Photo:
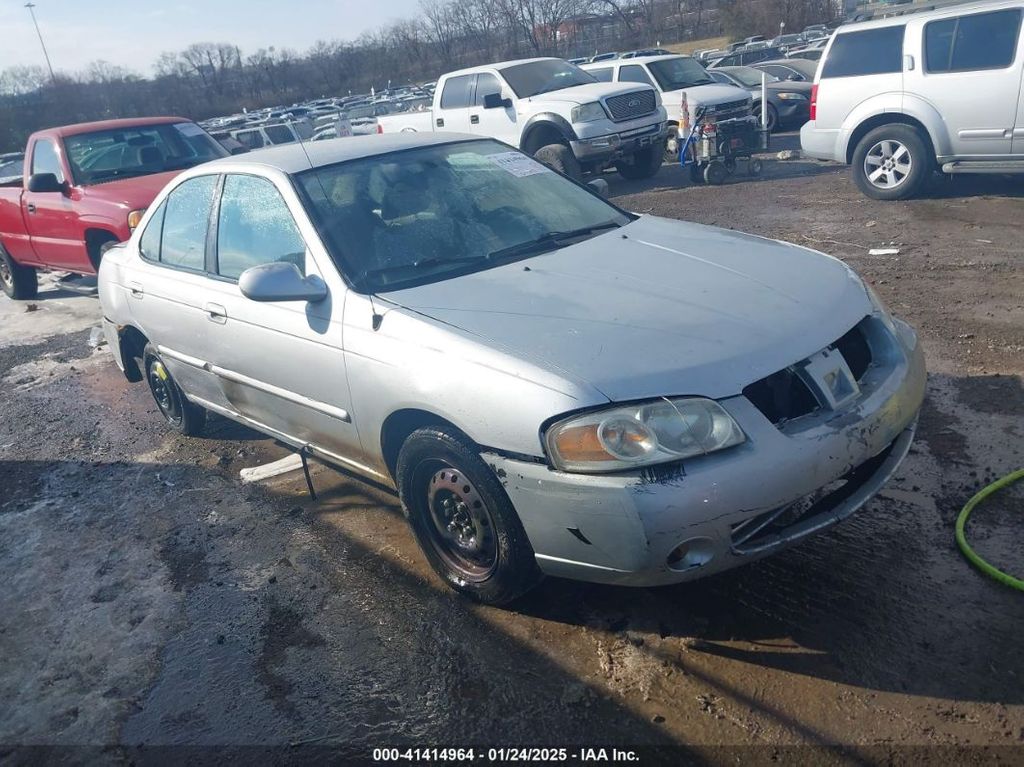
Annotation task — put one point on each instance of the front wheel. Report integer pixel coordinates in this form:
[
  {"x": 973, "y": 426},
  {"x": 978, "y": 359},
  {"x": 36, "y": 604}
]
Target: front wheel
[
  {"x": 772, "y": 119},
  {"x": 462, "y": 517},
  {"x": 183, "y": 416},
  {"x": 18, "y": 282},
  {"x": 645, "y": 163},
  {"x": 560, "y": 157},
  {"x": 891, "y": 163}
]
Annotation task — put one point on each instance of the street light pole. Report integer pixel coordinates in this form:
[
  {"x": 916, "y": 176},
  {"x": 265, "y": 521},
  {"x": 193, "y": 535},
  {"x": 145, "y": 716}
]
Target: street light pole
[{"x": 31, "y": 6}]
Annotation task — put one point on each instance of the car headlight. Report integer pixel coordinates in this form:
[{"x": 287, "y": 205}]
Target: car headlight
[
  {"x": 134, "y": 218},
  {"x": 631, "y": 436},
  {"x": 587, "y": 113},
  {"x": 792, "y": 96}
]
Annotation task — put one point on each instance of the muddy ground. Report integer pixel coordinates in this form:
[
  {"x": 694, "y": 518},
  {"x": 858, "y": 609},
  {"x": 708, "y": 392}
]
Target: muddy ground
[{"x": 149, "y": 598}]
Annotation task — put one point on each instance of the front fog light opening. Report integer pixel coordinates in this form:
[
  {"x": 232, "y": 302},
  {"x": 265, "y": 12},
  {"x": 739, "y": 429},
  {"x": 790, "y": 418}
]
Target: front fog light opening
[{"x": 694, "y": 552}]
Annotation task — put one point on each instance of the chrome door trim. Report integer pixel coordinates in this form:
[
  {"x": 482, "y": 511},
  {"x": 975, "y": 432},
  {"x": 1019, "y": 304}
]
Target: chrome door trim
[{"x": 277, "y": 391}]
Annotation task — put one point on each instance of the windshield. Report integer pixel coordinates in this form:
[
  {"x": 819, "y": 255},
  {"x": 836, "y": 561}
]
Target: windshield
[
  {"x": 751, "y": 77},
  {"x": 544, "y": 76},
  {"x": 677, "y": 73},
  {"x": 424, "y": 215},
  {"x": 139, "y": 151}
]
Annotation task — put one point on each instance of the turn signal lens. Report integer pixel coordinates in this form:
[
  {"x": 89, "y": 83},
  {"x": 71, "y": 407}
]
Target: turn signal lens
[{"x": 135, "y": 218}]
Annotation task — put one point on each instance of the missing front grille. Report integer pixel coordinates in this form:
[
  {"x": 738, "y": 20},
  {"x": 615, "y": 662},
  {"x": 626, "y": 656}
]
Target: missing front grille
[
  {"x": 855, "y": 350},
  {"x": 781, "y": 396}
]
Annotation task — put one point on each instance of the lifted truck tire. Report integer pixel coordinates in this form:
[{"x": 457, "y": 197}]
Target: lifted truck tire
[
  {"x": 646, "y": 163},
  {"x": 560, "y": 157},
  {"x": 18, "y": 282}
]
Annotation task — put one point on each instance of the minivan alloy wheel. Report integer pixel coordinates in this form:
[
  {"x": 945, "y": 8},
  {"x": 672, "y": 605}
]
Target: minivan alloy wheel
[{"x": 887, "y": 164}]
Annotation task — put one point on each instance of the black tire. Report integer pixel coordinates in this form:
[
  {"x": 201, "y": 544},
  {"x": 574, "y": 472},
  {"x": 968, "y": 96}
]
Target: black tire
[
  {"x": 672, "y": 137},
  {"x": 773, "y": 118},
  {"x": 716, "y": 173},
  {"x": 646, "y": 163},
  {"x": 754, "y": 167},
  {"x": 463, "y": 519},
  {"x": 97, "y": 246},
  {"x": 696, "y": 173},
  {"x": 184, "y": 416},
  {"x": 18, "y": 282},
  {"x": 900, "y": 180},
  {"x": 560, "y": 157}
]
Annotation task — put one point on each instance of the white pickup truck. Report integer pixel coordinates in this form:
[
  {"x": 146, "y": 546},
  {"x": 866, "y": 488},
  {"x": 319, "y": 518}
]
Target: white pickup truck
[{"x": 552, "y": 110}]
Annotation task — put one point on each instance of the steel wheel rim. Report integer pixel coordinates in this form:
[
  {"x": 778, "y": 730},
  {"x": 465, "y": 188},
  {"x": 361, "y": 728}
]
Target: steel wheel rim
[
  {"x": 459, "y": 524},
  {"x": 166, "y": 398},
  {"x": 6, "y": 276},
  {"x": 888, "y": 164}
]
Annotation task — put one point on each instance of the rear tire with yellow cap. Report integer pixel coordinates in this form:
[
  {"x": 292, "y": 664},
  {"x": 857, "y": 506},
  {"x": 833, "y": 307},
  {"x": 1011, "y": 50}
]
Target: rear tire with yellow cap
[{"x": 184, "y": 416}]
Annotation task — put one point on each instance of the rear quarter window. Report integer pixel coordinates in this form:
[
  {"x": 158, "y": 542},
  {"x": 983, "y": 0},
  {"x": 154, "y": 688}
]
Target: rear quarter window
[
  {"x": 970, "y": 43},
  {"x": 869, "y": 52}
]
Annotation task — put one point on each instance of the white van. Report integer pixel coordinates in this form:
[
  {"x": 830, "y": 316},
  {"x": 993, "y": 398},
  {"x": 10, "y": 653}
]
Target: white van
[{"x": 898, "y": 98}]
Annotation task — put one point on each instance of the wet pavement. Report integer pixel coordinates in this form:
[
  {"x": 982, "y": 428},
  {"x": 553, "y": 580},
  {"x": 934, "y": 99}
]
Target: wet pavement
[{"x": 153, "y": 599}]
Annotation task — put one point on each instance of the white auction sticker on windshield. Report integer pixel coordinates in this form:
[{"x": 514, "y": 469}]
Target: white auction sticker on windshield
[{"x": 518, "y": 164}]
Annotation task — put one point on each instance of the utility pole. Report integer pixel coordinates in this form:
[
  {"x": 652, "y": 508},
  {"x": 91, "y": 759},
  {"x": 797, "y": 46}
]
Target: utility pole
[{"x": 31, "y": 6}]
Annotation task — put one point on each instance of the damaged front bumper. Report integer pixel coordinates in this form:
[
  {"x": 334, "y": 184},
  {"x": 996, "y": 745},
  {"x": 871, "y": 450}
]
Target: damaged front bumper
[{"x": 684, "y": 521}]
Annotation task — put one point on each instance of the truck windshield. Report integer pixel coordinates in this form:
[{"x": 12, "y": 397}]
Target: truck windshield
[
  {"x": 544, "y": 76},
  {"x": 680, "y": 72},
  {"x": 424, "y": 215},
  {"x": 138, "y": 151}
]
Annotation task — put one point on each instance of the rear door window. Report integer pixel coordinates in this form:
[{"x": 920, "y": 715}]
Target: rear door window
[
  {"x": 870, "y": 52},
  {"x": 603, "y": 75},
  {"x": 186, "y": 220},
  {"x": 967, "y": 43},
  {"x": 458, "y": 92}
]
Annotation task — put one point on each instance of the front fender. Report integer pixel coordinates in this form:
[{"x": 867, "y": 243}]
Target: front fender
[{"x": 548, "y": 119}]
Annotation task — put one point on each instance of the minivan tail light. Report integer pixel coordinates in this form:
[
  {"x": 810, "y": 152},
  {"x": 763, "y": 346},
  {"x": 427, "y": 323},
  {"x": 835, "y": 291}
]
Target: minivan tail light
[{"x": 814, "y": 102}]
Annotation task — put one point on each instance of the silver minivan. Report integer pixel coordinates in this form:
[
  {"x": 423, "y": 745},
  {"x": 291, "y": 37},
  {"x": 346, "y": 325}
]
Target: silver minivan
[{"x": 898, "y": 98}]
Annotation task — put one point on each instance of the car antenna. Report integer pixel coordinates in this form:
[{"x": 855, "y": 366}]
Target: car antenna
[{"x": 377, "y": 318}]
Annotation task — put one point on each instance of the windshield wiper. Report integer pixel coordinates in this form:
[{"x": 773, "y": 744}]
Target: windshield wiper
[{"x": 551, "y": 240}]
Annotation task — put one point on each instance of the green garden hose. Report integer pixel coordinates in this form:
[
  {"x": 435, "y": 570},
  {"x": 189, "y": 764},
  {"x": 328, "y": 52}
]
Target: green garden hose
[{"x": 965, "y": 547}]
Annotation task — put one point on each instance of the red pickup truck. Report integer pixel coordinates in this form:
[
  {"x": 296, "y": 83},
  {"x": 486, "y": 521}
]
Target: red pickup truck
[{"x": 84, "y": 187}]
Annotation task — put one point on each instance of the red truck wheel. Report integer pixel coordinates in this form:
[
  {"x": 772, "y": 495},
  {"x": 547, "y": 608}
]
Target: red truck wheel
[{"x": 18, "y": 282}]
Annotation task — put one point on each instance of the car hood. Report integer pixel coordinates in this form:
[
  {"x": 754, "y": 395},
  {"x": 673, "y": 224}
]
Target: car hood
[
  {"x": 131, "y": 193},
  {"x": 584, "y": 94},
  {"x": 704, "y": 95},
  {"x": 658, "y": 307}
]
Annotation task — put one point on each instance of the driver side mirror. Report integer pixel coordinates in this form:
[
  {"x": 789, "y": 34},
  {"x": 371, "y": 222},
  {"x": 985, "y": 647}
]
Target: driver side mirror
[
  {"x": 45, "y": 183},
  {"x": 495, "y": 101},
  {"x": 281, "y": 281}
]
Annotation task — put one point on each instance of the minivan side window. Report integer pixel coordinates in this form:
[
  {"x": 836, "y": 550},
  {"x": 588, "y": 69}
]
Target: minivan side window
[
  {"x": 966, "y": 43},
  {"x": 457, "y": 92},
  {"x": 186, "y": 219},
  {"x": 45, "y": 159},
  {"x": 255, "y": 228},
  {"x": 870, "y": 52},
  {"x": 634, "y": 73}
]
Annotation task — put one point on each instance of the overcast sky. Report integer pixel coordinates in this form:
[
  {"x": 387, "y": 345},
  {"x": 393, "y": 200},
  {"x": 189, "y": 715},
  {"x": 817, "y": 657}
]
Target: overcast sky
[{"x": 132, "y": 33}]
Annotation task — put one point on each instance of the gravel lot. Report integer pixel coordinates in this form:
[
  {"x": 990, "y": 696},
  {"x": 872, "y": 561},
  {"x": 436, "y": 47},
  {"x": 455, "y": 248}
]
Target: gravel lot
[{"x": 152, "y": 599}]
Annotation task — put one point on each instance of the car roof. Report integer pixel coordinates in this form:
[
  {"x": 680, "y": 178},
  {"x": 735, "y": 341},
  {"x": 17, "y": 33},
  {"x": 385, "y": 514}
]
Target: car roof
[
  {"x": 297, "y": 157},
  {"x": 100, "y": 125},
  {"x": 500, "y": 65},
  {"x": 954, "y": 9},
  {"x": 640, "y": 59}
]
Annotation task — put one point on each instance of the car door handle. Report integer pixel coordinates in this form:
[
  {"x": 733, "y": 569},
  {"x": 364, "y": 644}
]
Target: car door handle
[
  {"x": 475, "y": 119},
  {"x": 136, "y": 290},
  {"x": 217, "y": 313},
  {"x": 31, "y": 207}
]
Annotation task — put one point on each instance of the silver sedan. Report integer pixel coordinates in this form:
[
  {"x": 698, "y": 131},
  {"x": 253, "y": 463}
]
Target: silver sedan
[{"x": 553, "y": 385}]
